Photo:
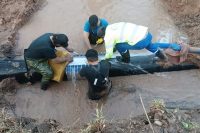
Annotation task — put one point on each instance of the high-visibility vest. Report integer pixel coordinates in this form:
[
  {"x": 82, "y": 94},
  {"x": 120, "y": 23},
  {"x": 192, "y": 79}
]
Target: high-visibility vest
[{"x": 123, "y": 32}]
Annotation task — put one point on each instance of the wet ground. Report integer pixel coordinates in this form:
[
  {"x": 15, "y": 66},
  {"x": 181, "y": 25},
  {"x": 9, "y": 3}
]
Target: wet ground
[
  {"x": 67, "y": 104},
  {"x": 69, "y": 17}
]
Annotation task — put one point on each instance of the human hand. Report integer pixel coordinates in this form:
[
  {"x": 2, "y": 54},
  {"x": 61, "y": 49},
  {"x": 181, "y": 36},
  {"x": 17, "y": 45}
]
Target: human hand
[
  {"x": 68, "y": 58},
  {"x": 99, "y": 41},
  {"x": 70, "y": 49}
]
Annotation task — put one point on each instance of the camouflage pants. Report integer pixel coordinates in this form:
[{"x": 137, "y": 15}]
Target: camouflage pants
[{"x": 41, "y": 66}]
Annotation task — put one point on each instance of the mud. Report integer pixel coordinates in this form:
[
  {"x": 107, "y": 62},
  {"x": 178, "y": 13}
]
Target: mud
[
  {"x": 67, "y": 102},
  {"x": 186, "y": 17},
  {"x": 13, "y": 14},
  {"x": 70, "y": 105},
  {"x": 70, "y": 20}
]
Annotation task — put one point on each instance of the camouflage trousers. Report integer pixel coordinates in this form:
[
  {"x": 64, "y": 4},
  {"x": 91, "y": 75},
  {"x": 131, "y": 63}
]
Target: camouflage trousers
[{"x": 41, "y": 66}]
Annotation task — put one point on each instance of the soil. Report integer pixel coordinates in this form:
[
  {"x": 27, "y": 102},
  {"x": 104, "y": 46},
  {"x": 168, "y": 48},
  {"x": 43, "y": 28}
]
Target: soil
[
  {"x": 186, "y": 17},
  {"x": 28, "y": 101},
  {"x": 13, "y": 14}
]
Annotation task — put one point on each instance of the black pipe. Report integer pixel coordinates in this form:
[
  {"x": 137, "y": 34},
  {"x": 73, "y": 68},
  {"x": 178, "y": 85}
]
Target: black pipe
[
  {"x": 139, "y": 65},
  {"x": 144, "y": 65}
]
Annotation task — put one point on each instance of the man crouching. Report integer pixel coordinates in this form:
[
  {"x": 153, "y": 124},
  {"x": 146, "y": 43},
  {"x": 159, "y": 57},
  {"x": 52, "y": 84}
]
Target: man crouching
[
  {"x": 41, "y": 50},
  {"x": 97, "y": 74}
]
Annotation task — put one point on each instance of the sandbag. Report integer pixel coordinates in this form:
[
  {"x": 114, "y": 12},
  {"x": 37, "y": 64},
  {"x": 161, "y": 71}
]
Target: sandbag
[{"x": 58, "y": 68}]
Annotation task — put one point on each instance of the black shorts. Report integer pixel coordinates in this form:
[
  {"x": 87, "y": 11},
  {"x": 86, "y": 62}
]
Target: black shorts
[{"x": 93, "y": 39}]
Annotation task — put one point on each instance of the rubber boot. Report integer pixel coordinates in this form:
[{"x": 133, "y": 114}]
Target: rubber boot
[
  {"x": 44, "y": 85},
  {"x": 125, "y": 57},
  {"x": 160, "y": 54}
]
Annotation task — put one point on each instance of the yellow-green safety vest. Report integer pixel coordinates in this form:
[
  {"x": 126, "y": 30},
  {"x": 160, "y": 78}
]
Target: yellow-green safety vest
[{"x": 123, "y": 32}]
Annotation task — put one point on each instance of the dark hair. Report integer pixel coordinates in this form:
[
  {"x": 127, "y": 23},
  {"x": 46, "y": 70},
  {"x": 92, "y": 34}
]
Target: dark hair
[
  {"x": 61, "y": 39},
  {"x": 93, "y": 20},
  {"x": 101, "y": 31},
  {"x": 91, "y": 55}
]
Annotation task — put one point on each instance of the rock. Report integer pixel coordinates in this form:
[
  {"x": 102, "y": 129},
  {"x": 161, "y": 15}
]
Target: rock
[
  {"x": 158, "y": 123},
  {"x": 7, "y": 85},
  {"x": 1, "y": 21}
]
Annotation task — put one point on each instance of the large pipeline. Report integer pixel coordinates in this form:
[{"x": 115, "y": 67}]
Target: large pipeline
[{"x": 140, "y": 64}]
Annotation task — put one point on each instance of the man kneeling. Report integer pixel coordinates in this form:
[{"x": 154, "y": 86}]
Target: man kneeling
[{"x": 97, "y": 74}]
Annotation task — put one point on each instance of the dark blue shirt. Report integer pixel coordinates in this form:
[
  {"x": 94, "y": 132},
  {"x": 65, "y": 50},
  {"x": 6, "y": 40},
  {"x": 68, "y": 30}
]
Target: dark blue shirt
[{"x": 41, "y": 48}]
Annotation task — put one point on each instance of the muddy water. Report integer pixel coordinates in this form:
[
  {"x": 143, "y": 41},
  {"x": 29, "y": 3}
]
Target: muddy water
[
  {"x": 68, "y": 17},
  {"x": 69, "y": 105}
]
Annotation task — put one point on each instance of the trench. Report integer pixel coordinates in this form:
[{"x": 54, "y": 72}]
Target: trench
[{"x": 68, "y": 103}]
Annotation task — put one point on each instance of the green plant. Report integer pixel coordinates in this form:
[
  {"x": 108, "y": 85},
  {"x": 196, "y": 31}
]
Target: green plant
[
  {"x": 190, "y": 125},
  {"x": 158, "y": 104},
  {"x": 96, "y": 125}
]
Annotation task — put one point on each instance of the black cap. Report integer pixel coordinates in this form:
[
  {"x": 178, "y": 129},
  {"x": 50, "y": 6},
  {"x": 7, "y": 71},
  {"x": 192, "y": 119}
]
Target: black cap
[
  {"x": 91, "y": 53},
  {"x": 93, "y": 21},
  {"x": 61, "y": 39}
]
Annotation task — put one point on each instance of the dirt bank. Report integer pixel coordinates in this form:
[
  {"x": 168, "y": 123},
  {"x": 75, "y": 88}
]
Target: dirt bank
[
  {"x": 173, "y": 121},
  {"x": 186, "y": 14},
  {"x": 13, "y": 14}
]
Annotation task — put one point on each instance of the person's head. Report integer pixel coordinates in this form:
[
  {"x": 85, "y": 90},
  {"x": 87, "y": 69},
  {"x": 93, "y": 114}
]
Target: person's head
[
  {"x": 101, "y": 32},
  {"x": 60, "y": 40},
  {"x": 91, "y": 55},
  {"x": 93, "y": 21}
]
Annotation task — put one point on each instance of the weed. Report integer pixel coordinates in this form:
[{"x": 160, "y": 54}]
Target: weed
[
  {"x": 98, "y": 124},
  {"x": 9, "y": 124}
]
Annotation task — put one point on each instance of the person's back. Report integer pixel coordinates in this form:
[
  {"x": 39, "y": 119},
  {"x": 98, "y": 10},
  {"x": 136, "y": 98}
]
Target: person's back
[
  {"x": 97, "y": 74},
  {"x": 41, "y": 48},
  {"x": 41, "y": 51},
  {"x": 125, "y": 36},
  {"x": 124, "y": 32}
]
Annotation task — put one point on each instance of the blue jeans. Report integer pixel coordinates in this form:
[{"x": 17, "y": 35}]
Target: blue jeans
[{"x": 147, "y": 44}]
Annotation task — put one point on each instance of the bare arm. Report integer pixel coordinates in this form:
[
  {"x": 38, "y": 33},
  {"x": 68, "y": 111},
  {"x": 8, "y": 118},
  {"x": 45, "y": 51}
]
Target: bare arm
[
  {"x": 87, "y": 42},
  {"x": 69, "y": 49}
]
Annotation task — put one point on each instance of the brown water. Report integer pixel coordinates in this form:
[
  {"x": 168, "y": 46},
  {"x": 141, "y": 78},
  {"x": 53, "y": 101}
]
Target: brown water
[
  {"x": 67, "y": 104},
  {"x": 68, "y": 17}
]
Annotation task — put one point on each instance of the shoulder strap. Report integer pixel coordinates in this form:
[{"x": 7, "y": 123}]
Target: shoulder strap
[{"x": 96, "y": 69}]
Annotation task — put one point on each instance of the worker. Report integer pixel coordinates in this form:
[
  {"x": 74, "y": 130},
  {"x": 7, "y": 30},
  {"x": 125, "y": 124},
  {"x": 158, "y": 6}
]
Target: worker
[
  {"x": 41, "y": 50},
  {"x": 128, "y": 36},
  {"x": 97, "y": 74},
  {"x": 90, "y": 30}
]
